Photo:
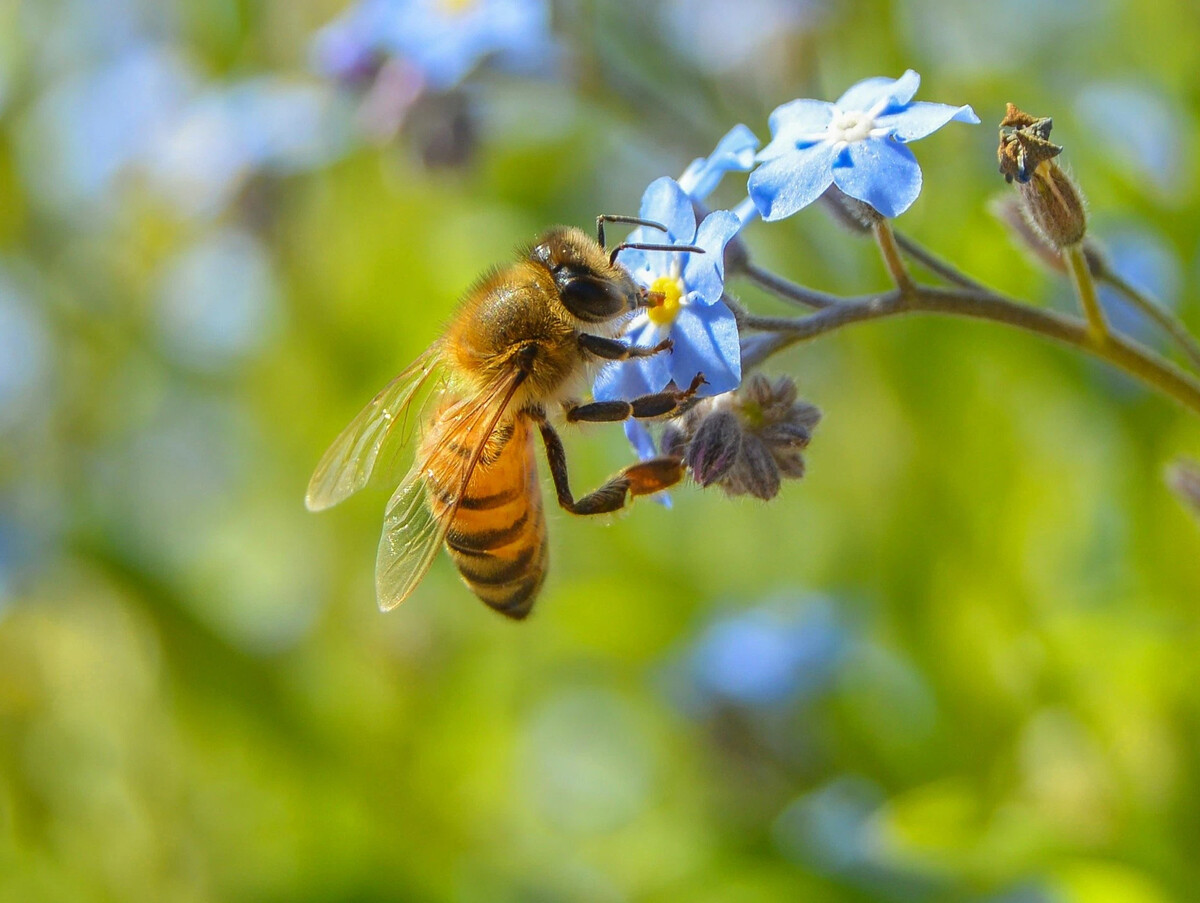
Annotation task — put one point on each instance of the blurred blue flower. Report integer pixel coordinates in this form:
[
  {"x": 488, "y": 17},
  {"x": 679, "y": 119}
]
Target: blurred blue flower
[
  {"x": 769, "y": 655},
  {"x": 214, "y": 142},
  {"x": 832, "y": 828},
  {"x": 691, "y": 312},
  {"x": 835, "y": 829},
  {"x": 858, "y": 144},
  {"x": 443, "y": 39},
  {"x": 704, "y": 32},
  {"x": 1144, "y": 259},
  {"x": 146, "y": 115},
  {"x": 89, "y": 126},
  {"x": 1156, "y": 147},
  {"x": 25, "y": 356},
  {"x": 218, "y": 301}
]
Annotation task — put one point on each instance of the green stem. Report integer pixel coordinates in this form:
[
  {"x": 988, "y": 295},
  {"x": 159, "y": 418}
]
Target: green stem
[
  {"x": 892, "y": 258},
  {"x": 1085, "y": 288}
]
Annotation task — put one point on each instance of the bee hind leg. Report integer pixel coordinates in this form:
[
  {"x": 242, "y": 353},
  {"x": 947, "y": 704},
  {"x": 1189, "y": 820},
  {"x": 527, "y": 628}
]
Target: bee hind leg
[{"x": 644, "y": 478}]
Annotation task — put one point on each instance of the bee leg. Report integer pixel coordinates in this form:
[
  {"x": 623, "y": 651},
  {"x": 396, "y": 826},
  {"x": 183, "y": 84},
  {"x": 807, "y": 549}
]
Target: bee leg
[
  {"x": 644, "y": 478},
  {"x": 612, "y": 350},
  {"x": 645, "y": 407}
]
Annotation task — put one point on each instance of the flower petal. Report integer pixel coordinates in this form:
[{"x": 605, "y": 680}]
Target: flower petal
[
  {"x": 637, "y": 376},
  {"x": 704, "y": 274},
  {"x": 796, "y": 122},
  {"x": 872, "y": 92},
  {"x": 706, "y": 341},
  {"x": 881, "y": 172},
  {"x": 641, "y": 440},
  {"x": 782, "y": 186},
  {"x": 920, "y": 119},
  {"x": 735, "y": 151},
  {"x": 665, "y": 202}
]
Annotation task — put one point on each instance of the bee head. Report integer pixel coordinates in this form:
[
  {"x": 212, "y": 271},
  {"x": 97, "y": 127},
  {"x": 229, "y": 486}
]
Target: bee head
[{"x": 589, "y": 285}]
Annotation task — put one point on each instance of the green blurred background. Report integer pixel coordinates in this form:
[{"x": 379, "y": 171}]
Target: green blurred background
[{"x": 956, "y": 662}]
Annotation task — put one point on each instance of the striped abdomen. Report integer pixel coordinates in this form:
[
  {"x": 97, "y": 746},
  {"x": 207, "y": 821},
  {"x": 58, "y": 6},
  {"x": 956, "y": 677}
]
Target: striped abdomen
[{"x": 498, "y": 535}]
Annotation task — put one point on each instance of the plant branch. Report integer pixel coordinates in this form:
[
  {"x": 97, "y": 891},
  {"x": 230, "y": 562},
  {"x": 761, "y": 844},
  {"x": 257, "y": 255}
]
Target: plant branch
[
  {"x": 935, "y": 264},
  {"x": 1119, "y": 351},
  {"x": 784, "y": 288}
]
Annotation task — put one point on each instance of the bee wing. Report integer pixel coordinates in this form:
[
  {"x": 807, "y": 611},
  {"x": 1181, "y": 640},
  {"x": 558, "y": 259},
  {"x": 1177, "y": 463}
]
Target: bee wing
[
  {"x": 412, "y": 529},
  {"x": 347, "y": 466}
]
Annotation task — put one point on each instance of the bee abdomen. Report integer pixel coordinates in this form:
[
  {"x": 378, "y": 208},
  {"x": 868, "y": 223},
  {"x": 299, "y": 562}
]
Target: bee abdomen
[
  {"x": 506, "y": 577},
  {"x": 497, "y": 538}
]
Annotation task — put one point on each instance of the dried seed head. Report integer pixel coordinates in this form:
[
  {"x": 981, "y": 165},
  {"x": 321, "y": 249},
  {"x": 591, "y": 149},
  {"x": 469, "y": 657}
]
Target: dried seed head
[
  {"x": 1050, "y": 201},
  {"x": 749, "y": 440}
]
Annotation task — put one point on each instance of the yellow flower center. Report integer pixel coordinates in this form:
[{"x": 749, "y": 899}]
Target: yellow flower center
[
  {"x": 456, "y": 7},
  {"x": 671, "y": 290}
]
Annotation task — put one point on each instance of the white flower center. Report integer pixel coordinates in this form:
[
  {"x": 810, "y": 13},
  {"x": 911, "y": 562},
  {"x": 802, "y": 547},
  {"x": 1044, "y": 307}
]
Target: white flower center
[{"x": 850, "y": 127}]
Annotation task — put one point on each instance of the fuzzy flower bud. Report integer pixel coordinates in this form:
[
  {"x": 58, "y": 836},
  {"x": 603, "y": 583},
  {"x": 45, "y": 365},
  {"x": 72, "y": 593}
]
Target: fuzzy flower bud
[
  {"x": 1009, "y": 210},
  {"x": 714, "y": 448},
  {"x": 851, "y": 213},
  {"x": 749, "y": 441},
  {"x": 1050, "y": 200}
]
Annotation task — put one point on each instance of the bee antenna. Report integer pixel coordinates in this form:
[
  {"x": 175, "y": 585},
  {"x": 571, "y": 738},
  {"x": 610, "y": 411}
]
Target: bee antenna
[
  {"x": 621, "y": 218},
  {"x": 642, "y": 246}
]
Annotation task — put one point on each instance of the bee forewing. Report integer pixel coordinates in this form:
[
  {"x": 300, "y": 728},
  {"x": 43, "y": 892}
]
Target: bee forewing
[
  {"x": 348, "y": 464},
  {"x": 413, "y": 527}
]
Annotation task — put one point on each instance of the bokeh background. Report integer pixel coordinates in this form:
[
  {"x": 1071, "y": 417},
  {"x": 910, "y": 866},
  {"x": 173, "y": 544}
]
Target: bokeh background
[{"x": 957, "y": 662}]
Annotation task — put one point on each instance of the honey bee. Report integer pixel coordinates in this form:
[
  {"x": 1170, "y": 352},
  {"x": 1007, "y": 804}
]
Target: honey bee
[{"x": 522, "y": 340}]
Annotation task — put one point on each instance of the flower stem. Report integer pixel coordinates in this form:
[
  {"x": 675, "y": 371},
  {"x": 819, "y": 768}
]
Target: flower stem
[
  {"x": 886, "y": 239},
  {"x": 935, "y": 264},
  {"x": 786, "y": 289},
  {"x": 1170, "y": 323},
  {"x": 1085, "y": 288},
  {"x": 1119, "y": 351}
]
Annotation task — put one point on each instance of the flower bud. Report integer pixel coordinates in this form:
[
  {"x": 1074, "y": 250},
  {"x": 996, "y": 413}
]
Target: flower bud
[
  {"x": 855, "y": 215},
  {"x": 715, "y": 447},
  {"x": 750, "y": 440},
  {"x": 1011, "y": 213},
  {"x": 1050, "y": 200}
]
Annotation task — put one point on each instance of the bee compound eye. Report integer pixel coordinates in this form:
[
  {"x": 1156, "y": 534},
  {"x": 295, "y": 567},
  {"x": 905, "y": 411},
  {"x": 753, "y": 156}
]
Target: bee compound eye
[{"x": 590, "y": 298}]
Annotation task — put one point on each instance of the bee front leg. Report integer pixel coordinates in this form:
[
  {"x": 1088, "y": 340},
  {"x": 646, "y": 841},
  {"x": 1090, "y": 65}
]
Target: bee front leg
[
  {"x": 667, "y": 403},
  {"x": 612, "y": 350},
  {"x": 644, "y": 478}
]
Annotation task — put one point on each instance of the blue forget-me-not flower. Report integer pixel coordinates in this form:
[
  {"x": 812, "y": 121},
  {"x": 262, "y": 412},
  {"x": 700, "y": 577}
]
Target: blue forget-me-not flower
[
  {"x": 733, "y": 153},
  {"x": 690, "y": 311},
  {"x": 858, "y": 143},
  {"x": 443, "y": 39}
]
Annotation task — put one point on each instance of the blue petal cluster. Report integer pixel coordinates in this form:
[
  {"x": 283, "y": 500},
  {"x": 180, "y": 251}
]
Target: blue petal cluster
[
  {"x": 702, "y": 328},
  {"x": 858, "y": 143},
  {"x": 443, "y": 41}
]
